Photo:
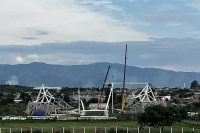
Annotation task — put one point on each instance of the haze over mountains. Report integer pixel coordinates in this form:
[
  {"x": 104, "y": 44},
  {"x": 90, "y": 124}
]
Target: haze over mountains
[
  {"x": 165, "y": 53},
  {"x": 91, "y": 75}
]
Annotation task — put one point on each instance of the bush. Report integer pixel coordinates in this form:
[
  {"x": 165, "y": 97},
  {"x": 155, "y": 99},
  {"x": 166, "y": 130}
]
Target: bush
[
  {"x": 67, "y": 131},
  {"x": 113, "y": 130},
  {"x": 37, "y": 131}
]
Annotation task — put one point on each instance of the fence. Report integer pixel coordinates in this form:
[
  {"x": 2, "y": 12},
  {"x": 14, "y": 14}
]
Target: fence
[{"x": 99, "y": 130}]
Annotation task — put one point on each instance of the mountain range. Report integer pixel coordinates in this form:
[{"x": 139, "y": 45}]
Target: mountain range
[{"x": 90, "y": 75}]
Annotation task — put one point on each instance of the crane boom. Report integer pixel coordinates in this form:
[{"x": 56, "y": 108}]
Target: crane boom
[{"x": 99, "y": 101}]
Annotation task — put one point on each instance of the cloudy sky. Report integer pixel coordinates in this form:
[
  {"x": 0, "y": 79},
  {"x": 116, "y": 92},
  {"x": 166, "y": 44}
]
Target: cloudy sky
[{"x": 160, "y": 32}]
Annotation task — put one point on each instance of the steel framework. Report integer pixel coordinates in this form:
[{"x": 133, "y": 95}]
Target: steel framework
[
  {"x": 139, "y": 101},
  {"x": 98, "y": 113},
  {"x": 46, "y": 102}
]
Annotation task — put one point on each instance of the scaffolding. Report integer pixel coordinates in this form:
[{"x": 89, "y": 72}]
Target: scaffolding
[
  {"x": 49, "y": 104},
  {"x": 139, "y": 101}
]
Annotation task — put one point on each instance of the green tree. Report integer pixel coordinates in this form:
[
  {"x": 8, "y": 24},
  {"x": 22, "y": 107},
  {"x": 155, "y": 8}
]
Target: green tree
[
  {"x": 9, "y": 98},
  {"x": 194, "y": 85},
  {"x": 160, "y": 116},
  {"x": 25, "y": 97},
  {"x": 66, "y": 98}
]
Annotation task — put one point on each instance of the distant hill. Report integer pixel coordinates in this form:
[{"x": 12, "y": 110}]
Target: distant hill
[{"x": 35, "y": 74}]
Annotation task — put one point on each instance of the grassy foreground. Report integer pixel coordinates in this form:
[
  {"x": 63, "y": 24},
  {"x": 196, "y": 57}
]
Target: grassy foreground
[
  {"x": 89, "y": 125},
  {"x": 69, "y": 123}
]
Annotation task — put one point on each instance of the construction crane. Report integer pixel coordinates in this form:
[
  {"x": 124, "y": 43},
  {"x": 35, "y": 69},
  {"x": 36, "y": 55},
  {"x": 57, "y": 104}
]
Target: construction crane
[
  {"x": 123, "y": 94},
  {"x": 99, "y": 101}
]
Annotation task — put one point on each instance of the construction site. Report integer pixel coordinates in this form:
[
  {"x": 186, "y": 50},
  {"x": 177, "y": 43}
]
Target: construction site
[{"x": 133, "y": 101}]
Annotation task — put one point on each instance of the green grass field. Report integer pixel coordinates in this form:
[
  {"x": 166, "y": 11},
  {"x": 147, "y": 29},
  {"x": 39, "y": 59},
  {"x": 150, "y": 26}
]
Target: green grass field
[
  {"x": 69, "y": 123},
  {"x": 78, "y": 126}
]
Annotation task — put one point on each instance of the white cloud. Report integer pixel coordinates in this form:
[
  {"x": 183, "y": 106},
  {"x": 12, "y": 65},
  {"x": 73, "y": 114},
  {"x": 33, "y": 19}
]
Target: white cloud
[
  {"x": 168, "y": 53},
  {"x": 176, "y": 68},
  {"x": 96, "y": 2},
  {"x": 147, "y": 56},
  {"x": 27, "y": 58},
  {"x": 19, "y": 59},
  {"x": 60, "y": 20},
  {"x": 174, "y": 24},
  {"x": 106, "y": 4},
  {"x": 193, "y": 3},
  {"x": 139, "y": 0},
  {"x": 13, "y": 80},
  {"x": 62, "y": 58},
  {"x": 69, "y": 58}
]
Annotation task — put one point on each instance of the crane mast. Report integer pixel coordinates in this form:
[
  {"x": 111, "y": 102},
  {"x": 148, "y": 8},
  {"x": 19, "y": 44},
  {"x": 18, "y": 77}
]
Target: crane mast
[{"x": 123, "y": 89}]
